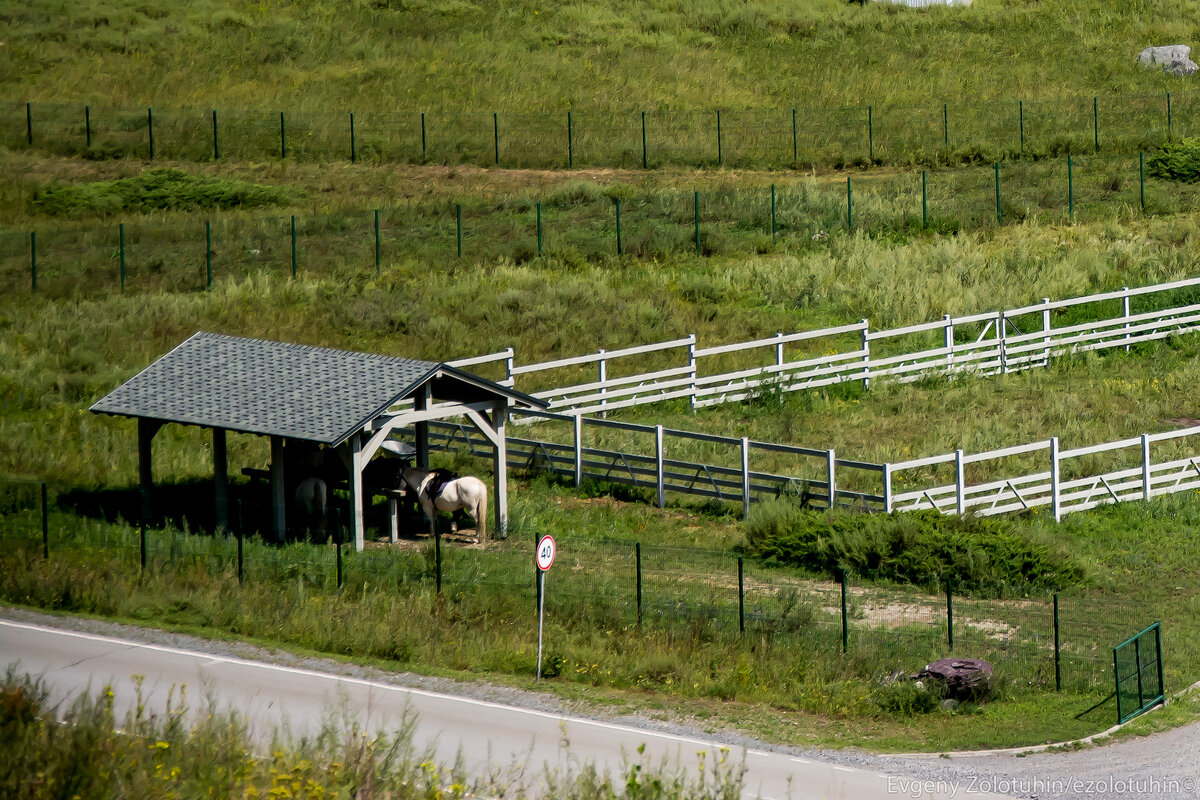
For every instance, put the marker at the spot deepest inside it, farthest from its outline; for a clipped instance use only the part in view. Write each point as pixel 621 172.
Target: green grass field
pixel 80 334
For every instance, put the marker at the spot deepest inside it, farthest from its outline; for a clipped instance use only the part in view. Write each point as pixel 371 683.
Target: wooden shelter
pixel 350 402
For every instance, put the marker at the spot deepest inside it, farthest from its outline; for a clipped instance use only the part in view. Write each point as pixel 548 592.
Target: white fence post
pixel 508 367
pixel 602 376
pixel 960 493
pixel 578 449
pixel 745 477
pixel 887 488
pixel 779 350
pixel 1145 466
pixel 1002 340
pixel 866 358
pixel 1125 313
pixel 1046 330
pixel 948 342
pixel 658 465
pixel 831 477
pixel 1055 498
pixel 692 364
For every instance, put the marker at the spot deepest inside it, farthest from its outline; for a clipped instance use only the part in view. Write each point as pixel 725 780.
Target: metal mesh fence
pixel 763 138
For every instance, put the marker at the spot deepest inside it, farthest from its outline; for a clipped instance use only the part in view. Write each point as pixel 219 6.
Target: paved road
pixel 485 732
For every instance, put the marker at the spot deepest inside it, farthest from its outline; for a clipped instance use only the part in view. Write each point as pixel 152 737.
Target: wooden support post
pixel 146 430
pixel 394 516
pixel 220 481
pixel 887 488
pixel 1146 466
pixel 960 489
pixel 500 486
pixel 745 477
pixel 1055 489
pixel 278 494
pixel 578 449
pixel 421 403
pixel 356 491
pixel 831 477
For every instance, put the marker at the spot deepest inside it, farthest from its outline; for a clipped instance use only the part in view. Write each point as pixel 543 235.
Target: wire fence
pixel 762 138
pixel 1042 641
pixel 576 222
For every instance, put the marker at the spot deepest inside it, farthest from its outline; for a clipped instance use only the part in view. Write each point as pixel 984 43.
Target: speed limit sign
pixel 545 552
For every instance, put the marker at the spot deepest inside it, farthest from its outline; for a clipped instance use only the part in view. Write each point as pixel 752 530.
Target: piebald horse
pixel 468 493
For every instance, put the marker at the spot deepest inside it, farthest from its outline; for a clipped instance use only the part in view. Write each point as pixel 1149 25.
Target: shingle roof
pixel 269 388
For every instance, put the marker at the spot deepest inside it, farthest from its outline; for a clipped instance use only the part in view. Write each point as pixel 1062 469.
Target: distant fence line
pixel 775 137
pixel 574 221
pixel 987 343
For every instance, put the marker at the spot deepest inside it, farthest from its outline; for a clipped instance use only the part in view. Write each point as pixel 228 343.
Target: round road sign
pixel 545 552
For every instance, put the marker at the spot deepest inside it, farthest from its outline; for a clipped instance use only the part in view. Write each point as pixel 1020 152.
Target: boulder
pixel 1175 59
pixel 962 679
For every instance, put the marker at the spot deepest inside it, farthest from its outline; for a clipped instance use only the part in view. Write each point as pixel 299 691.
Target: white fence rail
pixel 988 343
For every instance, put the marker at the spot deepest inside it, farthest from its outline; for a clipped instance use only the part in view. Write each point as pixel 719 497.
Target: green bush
pixel 984 556
pixel 1176 161
pixel 160 189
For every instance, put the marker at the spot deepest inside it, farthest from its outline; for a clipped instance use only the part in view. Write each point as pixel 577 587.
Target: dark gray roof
pixel 277 389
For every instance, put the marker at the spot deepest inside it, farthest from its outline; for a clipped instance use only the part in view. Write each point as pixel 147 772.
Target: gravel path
pixel 1164 765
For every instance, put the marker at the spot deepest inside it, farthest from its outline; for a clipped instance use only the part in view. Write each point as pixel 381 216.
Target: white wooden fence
pixel 986 344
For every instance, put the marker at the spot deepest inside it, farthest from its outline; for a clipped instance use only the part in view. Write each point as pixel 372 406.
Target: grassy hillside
pixel 520 54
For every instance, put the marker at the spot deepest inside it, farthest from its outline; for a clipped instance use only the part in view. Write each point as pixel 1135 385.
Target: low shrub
pixel 160 189
pixel 985 556
pixel 1176 161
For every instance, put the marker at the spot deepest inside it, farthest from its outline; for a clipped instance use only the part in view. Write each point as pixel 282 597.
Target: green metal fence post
pixel 1070 190
pixel 121 237
pixel 294 245
pixel 849 205
pixel 720 156
pixel 1096 122
pixel 142 543
pixel 29 123
pixel 645 163
pixel 570 143
pixel 282 136
pixel 619 251
pixel 437 560
pixel 208 254
pixel 150 130
pixel 45 523
pixel 33 261
pixel 1162 688
pixel 87 125
pixel 1021 108
pixel 496 134
pixel 1168 115
pixel 696 218
pixel 216 141
pixel 741 597
pixel 1117 685
pixel 924 201
pixel 538 207
pixel 637 553
pixel 950 611
pixel 1142 177
pixel 845 614
pixel 996 167
pixel 773 223
pixel 377 243
pixel 424 148
pixel 946 124
pixel 353 149
pixel 795 156
pixel 458 226
pixel 1057 650
pixel 1137 661
pixel 871 133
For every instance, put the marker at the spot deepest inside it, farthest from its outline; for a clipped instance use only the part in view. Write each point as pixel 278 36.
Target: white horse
pixel 468 493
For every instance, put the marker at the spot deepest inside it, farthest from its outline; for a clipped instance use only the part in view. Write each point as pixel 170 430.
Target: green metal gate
pixel 1137 668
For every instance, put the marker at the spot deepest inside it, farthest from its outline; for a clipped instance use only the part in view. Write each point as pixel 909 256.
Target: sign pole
pixel 541 616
